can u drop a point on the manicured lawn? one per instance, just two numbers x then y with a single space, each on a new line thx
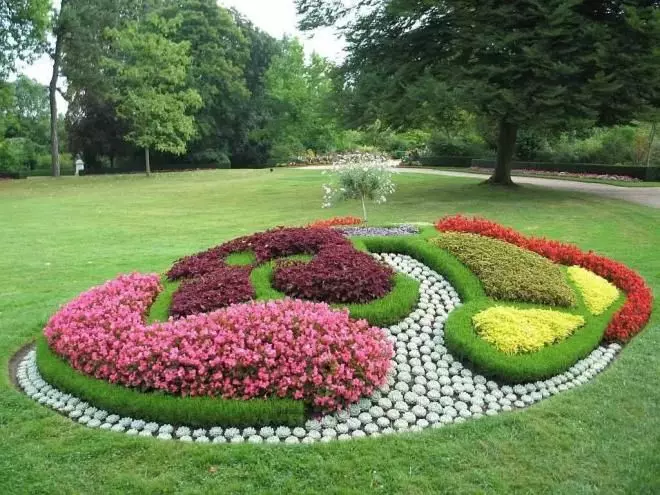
59 237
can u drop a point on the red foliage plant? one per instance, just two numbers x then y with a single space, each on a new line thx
337 274
336 222
628 320
266 246
214 290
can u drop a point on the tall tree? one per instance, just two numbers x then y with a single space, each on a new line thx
149 73
522 63
219 51
23 25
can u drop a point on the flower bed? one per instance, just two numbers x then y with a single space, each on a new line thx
508 272
632 316
338 274
515 331
336 222
289 348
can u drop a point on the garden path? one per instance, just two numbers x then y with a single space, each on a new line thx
647 196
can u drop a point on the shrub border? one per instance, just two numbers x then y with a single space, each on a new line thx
631 318
464 342
163 408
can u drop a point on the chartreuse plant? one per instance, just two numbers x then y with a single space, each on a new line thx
164 408
514 331
508 272
598 293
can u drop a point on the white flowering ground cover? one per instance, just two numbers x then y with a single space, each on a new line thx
426 388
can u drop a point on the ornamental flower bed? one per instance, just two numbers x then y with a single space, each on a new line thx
336 274
632 316
336 222
290 348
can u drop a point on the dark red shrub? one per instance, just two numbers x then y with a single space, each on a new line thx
337 274
214 290
627 321
266 246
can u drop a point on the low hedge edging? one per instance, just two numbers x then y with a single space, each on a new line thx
463 342
201 412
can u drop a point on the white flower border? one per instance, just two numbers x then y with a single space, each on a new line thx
426 387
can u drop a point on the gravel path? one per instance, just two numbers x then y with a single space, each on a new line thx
646 196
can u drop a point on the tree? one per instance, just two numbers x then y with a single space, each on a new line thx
219 52
522 63
149 73
297 97
23 25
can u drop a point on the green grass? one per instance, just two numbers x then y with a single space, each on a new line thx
160 309
60 237
243 258
163 408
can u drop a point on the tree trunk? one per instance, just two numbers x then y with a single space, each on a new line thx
146 162
506 145
52 96
651 139
364 209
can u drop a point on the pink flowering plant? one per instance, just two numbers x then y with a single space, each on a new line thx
288 348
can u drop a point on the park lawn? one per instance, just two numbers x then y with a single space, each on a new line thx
516 173
60 237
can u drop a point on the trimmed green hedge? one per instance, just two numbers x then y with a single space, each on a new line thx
162 408
464 343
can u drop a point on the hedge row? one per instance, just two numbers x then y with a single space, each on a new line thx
162 408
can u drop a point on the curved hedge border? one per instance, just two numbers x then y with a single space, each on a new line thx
163 408
631 317
463 342
388 310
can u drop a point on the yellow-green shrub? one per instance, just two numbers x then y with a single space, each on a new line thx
508 272
513 330
598 294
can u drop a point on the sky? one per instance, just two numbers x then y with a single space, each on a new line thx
276 17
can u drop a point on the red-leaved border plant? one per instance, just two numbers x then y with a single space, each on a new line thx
628 320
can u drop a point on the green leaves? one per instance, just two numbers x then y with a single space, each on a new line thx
149 74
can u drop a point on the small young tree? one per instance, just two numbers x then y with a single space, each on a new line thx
149 74
355 180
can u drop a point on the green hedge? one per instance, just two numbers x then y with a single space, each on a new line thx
162 408
464 343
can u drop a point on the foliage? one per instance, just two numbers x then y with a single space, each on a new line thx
514 331
214 290
268 245
359 180
511 72
626 323
23 32
290 348
598 294
335 275
298 100
167 409
464 343
508 272
149 73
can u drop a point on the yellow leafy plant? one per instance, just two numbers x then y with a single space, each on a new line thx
514 331
598 293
